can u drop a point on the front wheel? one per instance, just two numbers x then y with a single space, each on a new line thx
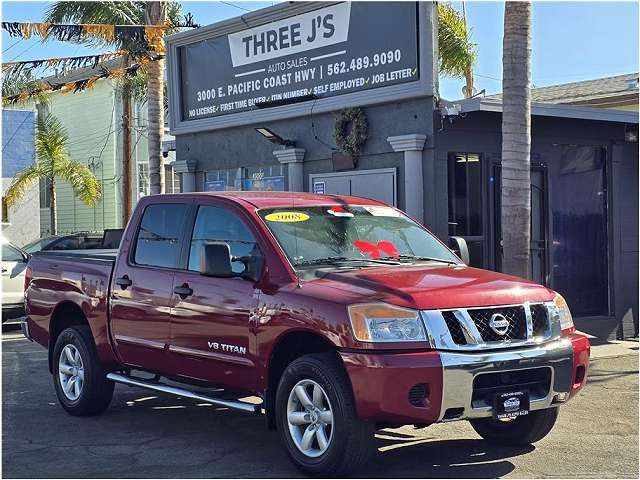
80 381
317 419
519 431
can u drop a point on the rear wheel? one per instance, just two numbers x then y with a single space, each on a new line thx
80 382
317 419
519 431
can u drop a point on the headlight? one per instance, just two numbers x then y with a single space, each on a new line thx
563 313
379 322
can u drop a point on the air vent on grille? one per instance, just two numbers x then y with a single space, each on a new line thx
454 328
517 329
539 319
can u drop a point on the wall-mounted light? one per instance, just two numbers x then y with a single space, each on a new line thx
274 137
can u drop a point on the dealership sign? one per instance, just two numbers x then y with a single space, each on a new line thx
334 50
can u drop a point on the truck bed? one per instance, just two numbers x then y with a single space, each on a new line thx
66 280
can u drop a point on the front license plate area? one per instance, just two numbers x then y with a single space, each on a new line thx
511 404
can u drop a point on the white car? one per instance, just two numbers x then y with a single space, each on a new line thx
14 264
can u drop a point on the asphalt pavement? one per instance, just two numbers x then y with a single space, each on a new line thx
145 435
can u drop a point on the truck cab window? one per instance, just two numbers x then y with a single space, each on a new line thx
215 224
158 242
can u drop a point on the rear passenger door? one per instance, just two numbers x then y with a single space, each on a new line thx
143 287
211 338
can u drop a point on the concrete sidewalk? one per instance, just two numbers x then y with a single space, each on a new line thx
613 348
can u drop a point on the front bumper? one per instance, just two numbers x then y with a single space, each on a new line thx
384 384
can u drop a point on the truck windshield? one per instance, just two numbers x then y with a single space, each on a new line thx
349 233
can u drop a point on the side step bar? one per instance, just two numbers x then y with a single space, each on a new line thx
180 392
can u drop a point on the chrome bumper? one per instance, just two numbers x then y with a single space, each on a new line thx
460 370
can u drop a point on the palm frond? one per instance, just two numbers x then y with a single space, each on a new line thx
457 53
50 143
21 183
84 183
136 84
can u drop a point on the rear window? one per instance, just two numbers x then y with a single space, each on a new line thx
158 241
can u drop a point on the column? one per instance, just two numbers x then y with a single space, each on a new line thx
187 169
294 159
412 146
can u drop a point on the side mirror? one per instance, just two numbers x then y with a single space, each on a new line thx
215 260
458 245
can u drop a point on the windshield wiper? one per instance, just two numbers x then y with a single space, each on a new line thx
338 260
426 259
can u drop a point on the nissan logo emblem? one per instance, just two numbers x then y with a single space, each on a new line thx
499 323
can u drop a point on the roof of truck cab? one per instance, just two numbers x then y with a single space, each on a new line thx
288 199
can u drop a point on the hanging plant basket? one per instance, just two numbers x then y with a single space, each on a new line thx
350 130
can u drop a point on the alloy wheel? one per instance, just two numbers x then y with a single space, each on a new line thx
310 418
71 372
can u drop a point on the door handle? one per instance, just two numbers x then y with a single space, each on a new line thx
183 291
124 282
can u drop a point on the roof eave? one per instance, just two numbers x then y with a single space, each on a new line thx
554 110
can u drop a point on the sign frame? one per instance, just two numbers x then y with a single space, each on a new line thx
423 87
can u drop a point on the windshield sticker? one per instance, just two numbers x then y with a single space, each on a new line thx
377 211
376 250
287 217
339 212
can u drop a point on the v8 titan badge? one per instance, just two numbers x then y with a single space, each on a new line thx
511 404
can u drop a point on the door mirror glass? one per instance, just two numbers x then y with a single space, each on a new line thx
458 245
215 260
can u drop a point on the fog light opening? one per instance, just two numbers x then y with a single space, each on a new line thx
579 378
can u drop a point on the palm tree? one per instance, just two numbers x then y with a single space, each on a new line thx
516 139
53 163
456 53
155 14
131 13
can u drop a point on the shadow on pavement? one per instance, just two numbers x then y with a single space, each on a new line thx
402 456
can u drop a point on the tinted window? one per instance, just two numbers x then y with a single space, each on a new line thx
11 254
38 245
71 243
214 224
158 242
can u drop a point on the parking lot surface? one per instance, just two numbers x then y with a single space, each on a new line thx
146 435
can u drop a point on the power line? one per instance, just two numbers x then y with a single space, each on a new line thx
24 51
236 6
26 117
11 46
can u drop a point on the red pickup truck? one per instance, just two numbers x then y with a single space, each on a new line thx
339 315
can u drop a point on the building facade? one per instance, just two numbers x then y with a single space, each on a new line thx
20 223
266 101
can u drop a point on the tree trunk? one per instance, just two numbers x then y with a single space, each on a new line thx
516 139
155 14
126 153
52 206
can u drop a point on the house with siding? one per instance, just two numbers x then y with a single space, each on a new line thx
93 120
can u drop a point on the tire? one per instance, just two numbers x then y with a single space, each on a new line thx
349 439
520 431
90 396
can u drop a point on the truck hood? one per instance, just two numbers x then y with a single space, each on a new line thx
425 287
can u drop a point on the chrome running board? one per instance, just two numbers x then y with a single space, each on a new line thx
181 392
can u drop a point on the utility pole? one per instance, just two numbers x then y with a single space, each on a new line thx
126 152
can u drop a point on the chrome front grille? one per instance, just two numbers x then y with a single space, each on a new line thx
490 327
517 329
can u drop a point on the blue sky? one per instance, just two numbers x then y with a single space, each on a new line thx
571 40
